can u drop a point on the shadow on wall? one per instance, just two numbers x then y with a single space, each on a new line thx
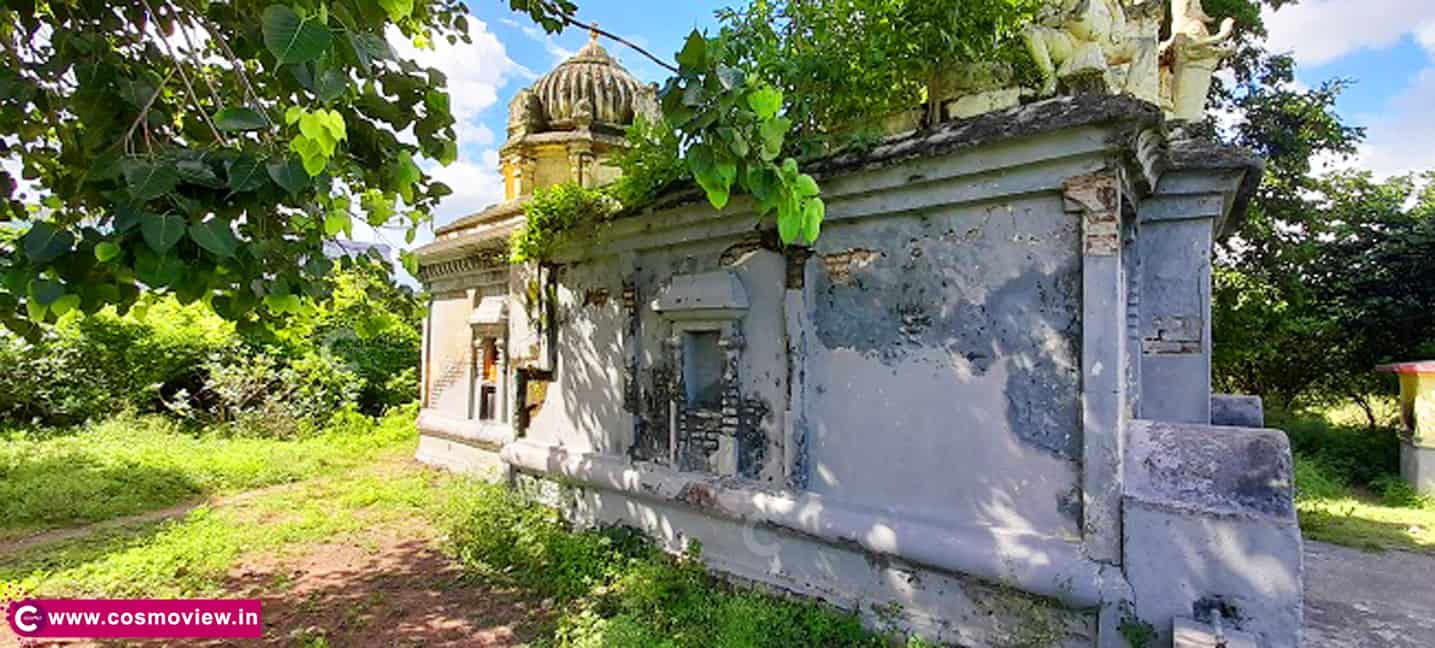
590 360
954 354
936 293
971 330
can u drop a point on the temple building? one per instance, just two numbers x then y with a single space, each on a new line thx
978 406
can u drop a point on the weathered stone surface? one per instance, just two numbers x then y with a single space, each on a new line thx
1237 410
1210 527
1417 466
460 457
1217 470
927 410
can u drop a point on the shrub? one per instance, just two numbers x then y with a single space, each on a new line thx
1314 481
88 367
257 395
1356 455
361 349
618 590
1395 491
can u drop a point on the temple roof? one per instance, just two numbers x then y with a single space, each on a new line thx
589 88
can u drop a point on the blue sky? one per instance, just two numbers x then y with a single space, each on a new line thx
1387 47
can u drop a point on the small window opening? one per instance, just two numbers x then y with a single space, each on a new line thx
702 369
488 385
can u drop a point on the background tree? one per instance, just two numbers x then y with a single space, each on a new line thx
1328 276
208 149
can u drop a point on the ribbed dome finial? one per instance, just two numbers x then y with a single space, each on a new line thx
588 89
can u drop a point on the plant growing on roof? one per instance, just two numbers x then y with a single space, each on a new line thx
734 131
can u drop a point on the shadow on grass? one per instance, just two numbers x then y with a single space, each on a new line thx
75 488
35 563
1356 528
392 591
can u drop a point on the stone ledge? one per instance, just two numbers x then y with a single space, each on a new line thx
1210 469
1237 410
1038 564
487 435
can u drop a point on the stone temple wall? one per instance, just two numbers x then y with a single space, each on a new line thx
966 403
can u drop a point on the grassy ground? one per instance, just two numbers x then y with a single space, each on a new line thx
1349 491
127 465
191 556
362 547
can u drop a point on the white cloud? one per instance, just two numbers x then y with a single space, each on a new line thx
475 184
475 72
1425 35
1321 31
1398 141
543 38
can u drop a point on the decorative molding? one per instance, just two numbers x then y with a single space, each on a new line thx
481 260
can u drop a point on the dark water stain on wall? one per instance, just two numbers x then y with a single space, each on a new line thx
911 297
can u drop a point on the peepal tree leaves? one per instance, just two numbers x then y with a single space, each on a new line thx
44 242
215 236
150 179
246 174
289 174
240 119
733 129
174 171
294 39
162 231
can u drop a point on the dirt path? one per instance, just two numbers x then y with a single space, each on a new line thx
1356 599
388 585
17 545
390 590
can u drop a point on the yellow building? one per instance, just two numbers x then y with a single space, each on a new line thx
564 128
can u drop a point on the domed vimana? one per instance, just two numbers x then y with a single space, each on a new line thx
586 90
563 128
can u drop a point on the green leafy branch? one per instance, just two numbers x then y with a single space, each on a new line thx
734 130
210 150
649 165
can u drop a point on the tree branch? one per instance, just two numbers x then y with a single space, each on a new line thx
179 65
144 110
194 56
238 64
573 20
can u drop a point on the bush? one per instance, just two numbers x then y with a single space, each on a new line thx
617 590
1314 481
1395 491
89 367
1355 455
361 349
258 395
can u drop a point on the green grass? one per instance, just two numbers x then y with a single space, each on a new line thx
128 465
1385 514
191 556
1348 488
610 588
614 589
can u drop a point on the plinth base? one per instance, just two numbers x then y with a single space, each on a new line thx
1417 466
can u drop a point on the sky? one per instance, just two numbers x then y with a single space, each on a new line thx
1386 47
